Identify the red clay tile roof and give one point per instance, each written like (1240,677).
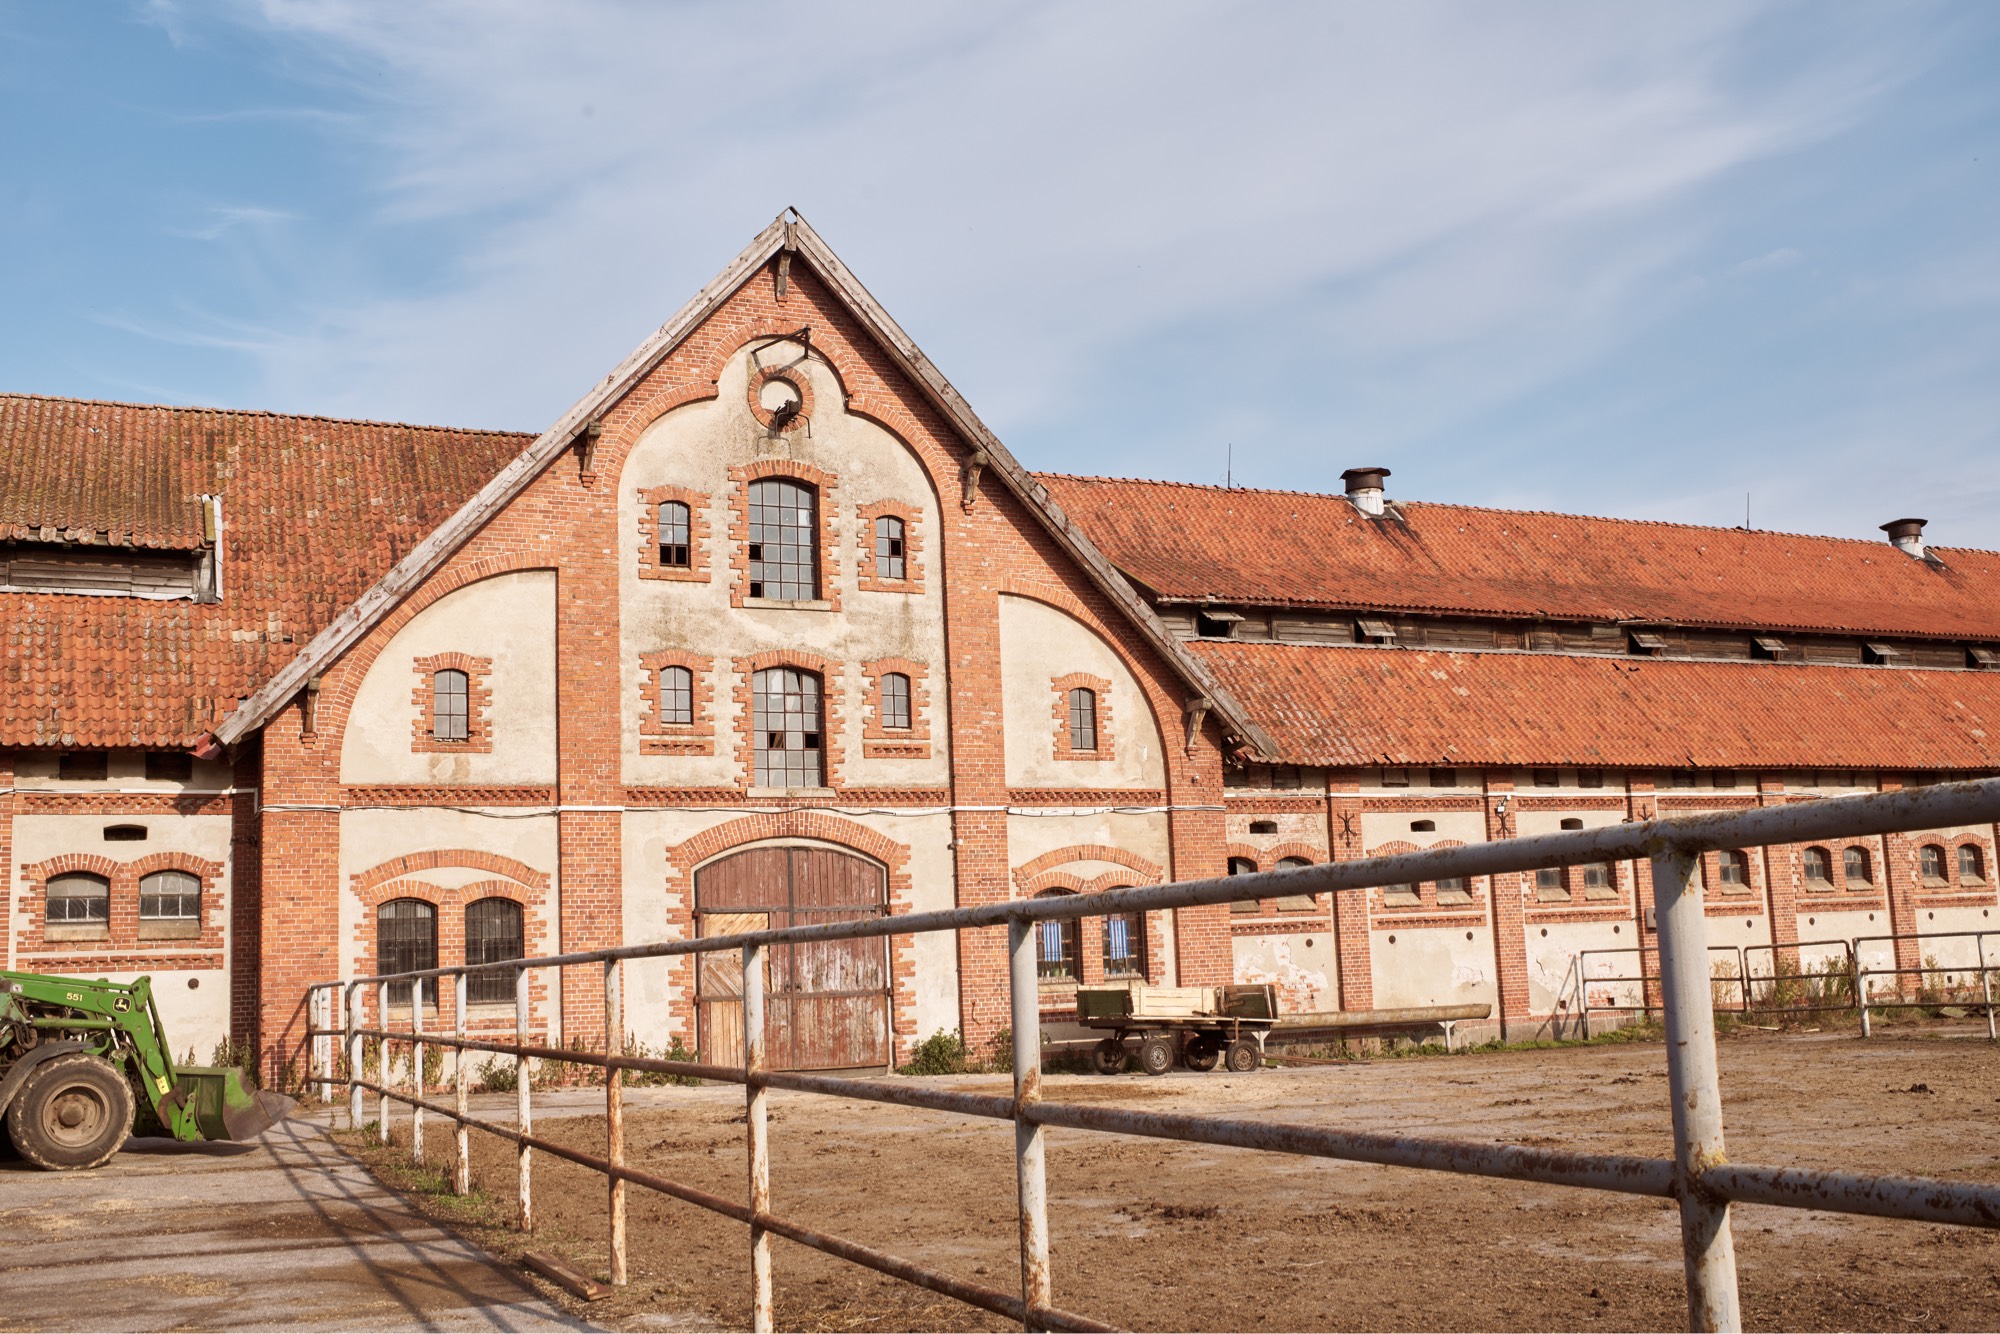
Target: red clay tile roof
(1361,706)
(315,511)
(1285,548)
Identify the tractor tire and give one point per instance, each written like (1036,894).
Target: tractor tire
(1156,1055)
(73,1112)
(1244,1055)
(1109,1057)
(1202,1054)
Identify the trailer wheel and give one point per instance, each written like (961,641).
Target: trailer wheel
(1202,1054)
(1109,1057)
(1245,1055)
(72,1112)
(1156,1055)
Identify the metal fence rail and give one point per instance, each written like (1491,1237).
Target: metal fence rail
(1699,1175)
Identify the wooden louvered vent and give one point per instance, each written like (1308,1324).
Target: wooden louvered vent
(103,571)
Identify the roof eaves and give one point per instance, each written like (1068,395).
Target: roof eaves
(426,557)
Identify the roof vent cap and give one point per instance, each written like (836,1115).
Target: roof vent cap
(1908,535)
(1364,488)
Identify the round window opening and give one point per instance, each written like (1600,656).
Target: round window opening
(774,395)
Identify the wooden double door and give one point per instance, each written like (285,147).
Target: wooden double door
(826,1003)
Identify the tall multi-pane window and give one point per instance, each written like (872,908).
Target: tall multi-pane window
(169,905)
(450,720)
(674,549)
(896,701)
(1125,944)
(492,935)
(1854,869)
(1971,866)
(1083,719)
(889,548)
(784,540)
(1930,864)
(1243,866)
(786,702)
(1817,868)
(676,696)
(406,942)
(79,899)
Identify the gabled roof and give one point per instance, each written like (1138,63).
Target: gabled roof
(315,511)
(1363,706)
(788,232)
(1300,549)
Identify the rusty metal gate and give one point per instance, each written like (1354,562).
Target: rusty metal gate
(826,1002)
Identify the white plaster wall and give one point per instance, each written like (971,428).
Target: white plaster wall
(694,447)
(1039,643)
(1379,827)
(1433,966)
(195,1016)
(509,618)
(1304,966)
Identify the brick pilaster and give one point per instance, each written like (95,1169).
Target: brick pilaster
(1350,910)
(1510,927)
(1781,882)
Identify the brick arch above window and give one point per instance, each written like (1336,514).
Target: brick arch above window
(1152,871)
(370,884)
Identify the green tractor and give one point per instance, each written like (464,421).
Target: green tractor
(85,1064)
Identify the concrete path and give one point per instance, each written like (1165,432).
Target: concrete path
(287,1232)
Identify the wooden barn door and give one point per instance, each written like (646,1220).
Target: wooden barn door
(826,1003)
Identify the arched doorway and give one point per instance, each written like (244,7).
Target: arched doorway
(826,1003)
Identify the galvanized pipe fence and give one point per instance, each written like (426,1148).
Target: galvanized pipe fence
(1699,1176)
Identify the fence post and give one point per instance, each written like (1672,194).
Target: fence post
(417,1070)
(1030,1163)
(352,1004)
(382,1060)
(523,1113)
(460,991)
(614,1114)
(1707,1246)
(1861,993)
(755,1130)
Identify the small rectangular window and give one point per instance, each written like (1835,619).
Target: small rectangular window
(1645,642)
(1769,646)
(1597,881)
(896,702)
(1380,632)
(1083,719)
(1287,777)
(676,696)
(1982,657)
(674,541)
(1549,887)
(1883,653)
(1444,778)
(1548,778)
(1590,778)
(169,766)
(889,547)
(84,765)
(449,718)
(1395,778)
(1452,889)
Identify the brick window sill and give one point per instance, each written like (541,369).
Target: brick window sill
(789,604)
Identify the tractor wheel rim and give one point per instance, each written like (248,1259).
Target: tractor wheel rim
(75,1116)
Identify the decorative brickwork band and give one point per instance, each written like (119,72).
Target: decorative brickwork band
(478,704)
(695,570)
(657,735)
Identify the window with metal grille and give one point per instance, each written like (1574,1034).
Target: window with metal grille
(1597,881)
(1854,869)
(1294,902)
(786,702)
(79,899)
(784,540)
(492,934)
(1058,946)
(896,701)
(1734,873)
(1971,865)
(1083,719)
(674,551)
(1125,944)
(1549,885)
(405,942)
(676,696)
(1817,868)
(1243,866)
(889,548)
(450,719)
(169,905)
(1930,864)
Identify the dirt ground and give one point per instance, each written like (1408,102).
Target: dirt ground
(1154,1235)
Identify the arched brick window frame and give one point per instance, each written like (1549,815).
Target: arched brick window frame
(832,698)
(121,945)
(1983,853)
(869,577)
(403,878)
(650,500)
(826,486)
(1100,688)
(478,704)
(695,737)
(1054,871)
(885,743)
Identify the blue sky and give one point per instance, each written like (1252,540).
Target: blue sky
(1617,259)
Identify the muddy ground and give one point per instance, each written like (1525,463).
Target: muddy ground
(1153,1235)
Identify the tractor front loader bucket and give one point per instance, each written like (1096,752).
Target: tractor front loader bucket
(226,1108)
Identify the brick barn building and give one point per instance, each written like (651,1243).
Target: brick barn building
(770,628)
